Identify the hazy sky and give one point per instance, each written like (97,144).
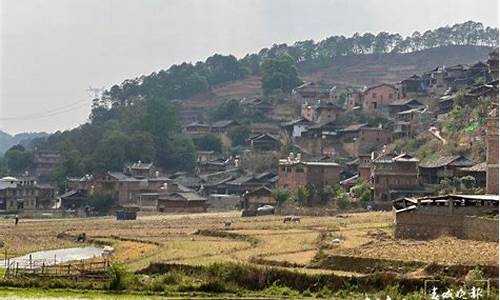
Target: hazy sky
(53,50)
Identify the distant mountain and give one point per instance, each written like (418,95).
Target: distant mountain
(7,140)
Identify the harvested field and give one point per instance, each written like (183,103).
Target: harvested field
(200,239)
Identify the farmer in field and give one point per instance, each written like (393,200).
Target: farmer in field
(17,219)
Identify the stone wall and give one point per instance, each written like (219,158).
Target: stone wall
(430,224)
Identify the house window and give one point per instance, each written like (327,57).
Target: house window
(374,95)
(299,170)
(376,179)
(396,180)
(390,96)
(283,169)
(374,105)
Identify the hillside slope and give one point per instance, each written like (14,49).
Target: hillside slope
(7,140)
(355,70)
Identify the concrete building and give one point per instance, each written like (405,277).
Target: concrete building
(18,194)
(472,217)
(45,162)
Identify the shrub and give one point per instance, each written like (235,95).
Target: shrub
(118,276)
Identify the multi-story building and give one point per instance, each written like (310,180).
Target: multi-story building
(45,162)
(492,152)
(24,193)
(373,98)
(294,172)
(394,176)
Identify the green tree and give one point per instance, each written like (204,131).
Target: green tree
(239,135)
(362,192)
(281,195)
(209,142)
(18,159)
(102,203)
(302,195)
(110,153)
(342,200)
(279,73)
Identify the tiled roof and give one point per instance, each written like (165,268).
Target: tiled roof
(448,160)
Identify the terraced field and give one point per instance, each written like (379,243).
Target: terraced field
(203,239)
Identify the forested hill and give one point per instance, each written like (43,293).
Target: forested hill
(7,140)
(185,80)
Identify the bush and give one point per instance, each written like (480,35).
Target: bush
(342,200)
(118,276)
(102,203)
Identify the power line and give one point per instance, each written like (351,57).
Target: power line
(55,111)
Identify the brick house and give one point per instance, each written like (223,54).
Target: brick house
(433,171)
(176,200)
(359,139)
(378,96)
(327,112)
(393,176)
(364,167)
(492,152)
(294,172)
(122,186)
(411,122)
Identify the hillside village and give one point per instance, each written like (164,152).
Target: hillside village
(346,166)
(331,141)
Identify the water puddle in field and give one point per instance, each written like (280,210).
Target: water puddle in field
(52,257)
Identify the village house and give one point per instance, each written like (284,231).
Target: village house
(124,187)
(18,194)
(378,96)
(364,166)
(359,139)
(412,122)
(493,64)
(478,171)
(295,128)
(264,142)
(249,183)
(311,91)
(403,105)
(204,156)
(257,198)
(294,172)
(373,98)
(73,199)
(473,217)
(433,171)
(197,129)
(214,165)
(321,112)
(412,86)
(45,162)
(492,151)
(223,126)
(394,176)
(175,199)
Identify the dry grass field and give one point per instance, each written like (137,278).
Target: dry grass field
(202,239)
